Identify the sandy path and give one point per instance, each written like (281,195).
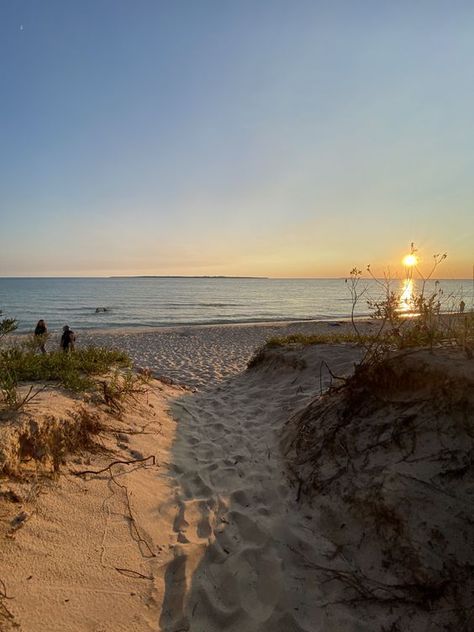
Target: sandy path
(241,539)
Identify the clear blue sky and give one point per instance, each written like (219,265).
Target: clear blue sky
(267,137)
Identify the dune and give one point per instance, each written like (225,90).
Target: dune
(384,465)
(262,502)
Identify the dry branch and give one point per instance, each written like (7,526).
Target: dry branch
(108,468)
(134,530)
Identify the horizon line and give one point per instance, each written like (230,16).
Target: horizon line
(209,276)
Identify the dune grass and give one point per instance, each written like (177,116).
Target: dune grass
(314,339)
(73,371)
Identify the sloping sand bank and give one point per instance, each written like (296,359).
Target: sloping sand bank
(80,553)
(387,465)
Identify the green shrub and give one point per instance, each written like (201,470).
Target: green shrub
(74,371)
(7,325)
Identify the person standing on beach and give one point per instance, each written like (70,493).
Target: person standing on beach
(67,339)
(41,332)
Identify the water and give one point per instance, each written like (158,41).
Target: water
(134,302)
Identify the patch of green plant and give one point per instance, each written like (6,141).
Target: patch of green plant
(30,366)
(8,389)
(22,362)
(74,371)
(7,325)
(314,339)
(34,342)
(123,385)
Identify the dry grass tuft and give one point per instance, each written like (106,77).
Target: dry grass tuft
(47,440)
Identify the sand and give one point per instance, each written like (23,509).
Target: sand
(219,538)
(238,520)
(385,466)
(199,356)
(60,565)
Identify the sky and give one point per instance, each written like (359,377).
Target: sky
(282,138)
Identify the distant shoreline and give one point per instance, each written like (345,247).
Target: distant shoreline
(179,276)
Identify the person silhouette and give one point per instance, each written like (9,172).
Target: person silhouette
(41,332)
(67,339)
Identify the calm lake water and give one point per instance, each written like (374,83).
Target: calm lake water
(134,302)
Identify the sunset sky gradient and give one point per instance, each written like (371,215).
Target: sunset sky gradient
(274,138)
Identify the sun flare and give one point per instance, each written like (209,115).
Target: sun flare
(409,261)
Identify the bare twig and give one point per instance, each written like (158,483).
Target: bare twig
(29,397)
(108,468)
(4,611)
(135,533)
(131,573)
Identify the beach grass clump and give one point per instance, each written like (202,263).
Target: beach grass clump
(123,385)
(27,365)
(304,340)
(48,440)
(74,371)
(464,333)
(427,326)
(314,339)
(7,326)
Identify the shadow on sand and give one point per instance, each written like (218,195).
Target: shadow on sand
(239,531)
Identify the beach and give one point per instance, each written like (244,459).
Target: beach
(199,356)
(236,317)
(188,514)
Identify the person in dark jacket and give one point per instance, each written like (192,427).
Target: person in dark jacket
(67,339)
(41,332)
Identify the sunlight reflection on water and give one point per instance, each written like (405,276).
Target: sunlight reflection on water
(405,303)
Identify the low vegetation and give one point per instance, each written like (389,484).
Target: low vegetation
(315,339)
(408,317)
(103,373)
(403,317)
(73,371)
(48,440)
(103,377)
(7,325)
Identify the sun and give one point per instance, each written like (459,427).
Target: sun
(409,261)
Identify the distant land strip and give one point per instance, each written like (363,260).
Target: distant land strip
(178,276)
